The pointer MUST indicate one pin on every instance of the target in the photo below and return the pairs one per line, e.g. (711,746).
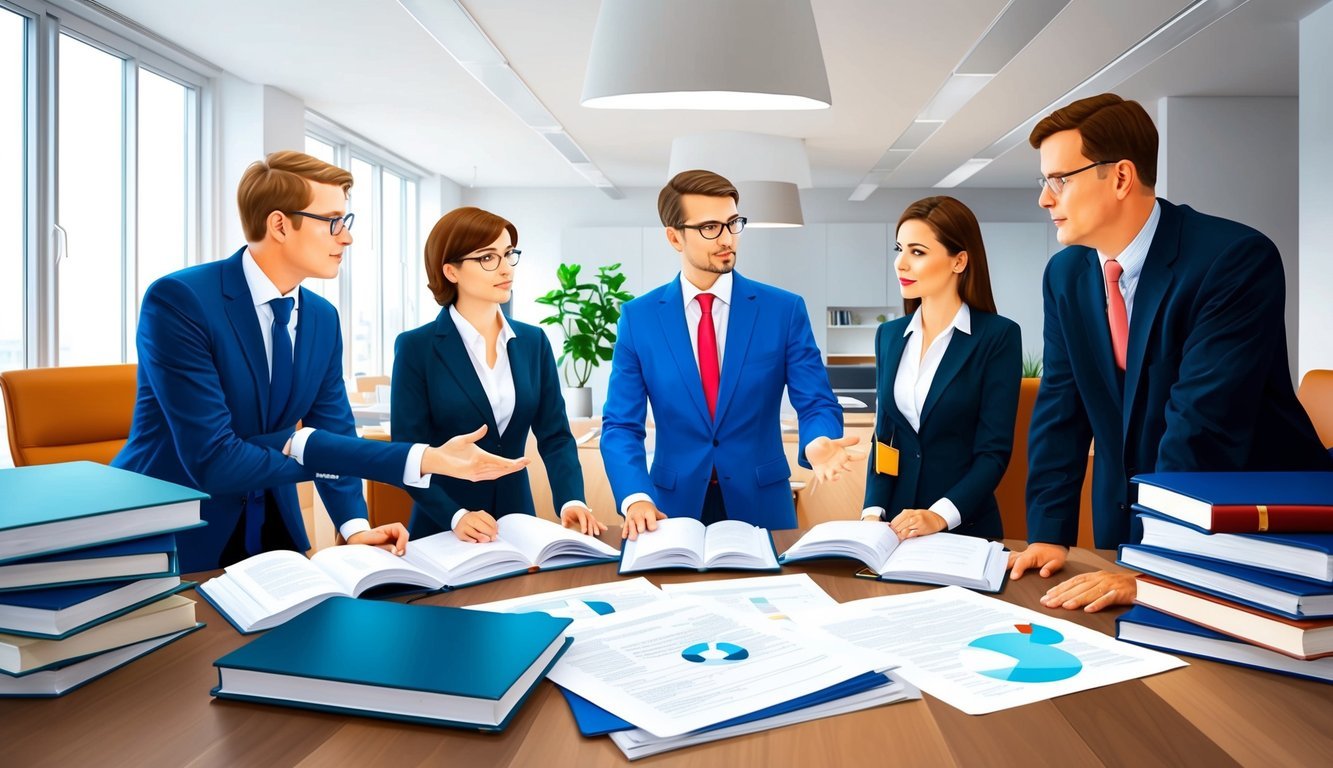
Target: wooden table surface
(157,712)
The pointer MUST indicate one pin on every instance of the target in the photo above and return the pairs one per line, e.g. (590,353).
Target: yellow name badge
(886,459)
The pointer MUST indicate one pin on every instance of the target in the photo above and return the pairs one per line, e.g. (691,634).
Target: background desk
(157,712)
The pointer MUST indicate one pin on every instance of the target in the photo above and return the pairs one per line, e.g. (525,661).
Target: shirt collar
(721,289)
(1136,253)
(262,289)
(472,337)
(962,320)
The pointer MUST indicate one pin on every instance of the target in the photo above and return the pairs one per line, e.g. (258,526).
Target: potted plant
(1032,366)
(588,313)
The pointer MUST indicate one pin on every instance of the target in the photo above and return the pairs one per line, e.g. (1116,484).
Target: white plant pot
(578,402)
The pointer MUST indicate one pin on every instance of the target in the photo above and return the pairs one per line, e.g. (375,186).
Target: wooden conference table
(157,712)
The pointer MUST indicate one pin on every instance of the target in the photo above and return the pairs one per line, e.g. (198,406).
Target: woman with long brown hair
(948,379)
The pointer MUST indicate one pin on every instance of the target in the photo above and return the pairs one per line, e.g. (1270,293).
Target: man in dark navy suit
(233,353)
(1164,341)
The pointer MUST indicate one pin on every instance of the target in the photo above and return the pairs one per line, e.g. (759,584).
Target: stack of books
(1238,567)
(88,573)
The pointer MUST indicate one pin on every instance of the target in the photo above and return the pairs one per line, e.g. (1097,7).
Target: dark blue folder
(60,598)
(1295,588)
(427,651)
(49,570)
(1296,543)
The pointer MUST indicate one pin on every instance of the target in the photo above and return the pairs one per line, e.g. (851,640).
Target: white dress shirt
(1132,258)
(916,372)
(497,382)
(721,289)
(262,291)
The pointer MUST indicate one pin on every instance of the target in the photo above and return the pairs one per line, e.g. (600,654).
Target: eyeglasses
(1057,183)
(336,224)
(491,262)
(713,230)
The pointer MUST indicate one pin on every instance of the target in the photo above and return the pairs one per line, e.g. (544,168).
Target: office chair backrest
(1316,394)
(68,414)
(1010,492)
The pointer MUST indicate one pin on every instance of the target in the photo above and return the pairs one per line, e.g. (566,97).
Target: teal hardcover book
(145,558)
(57,613)
(398,661)
(59,507)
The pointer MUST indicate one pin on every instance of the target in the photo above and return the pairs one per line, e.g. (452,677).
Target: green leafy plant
(1031,366)
(588,313)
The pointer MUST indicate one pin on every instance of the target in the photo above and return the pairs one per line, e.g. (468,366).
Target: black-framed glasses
(1057,183)
(491,261)
(712,230)
(336,224)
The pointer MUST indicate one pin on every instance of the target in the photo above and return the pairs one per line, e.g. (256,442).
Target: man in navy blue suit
(712,351)
(1164,342)
(232,354)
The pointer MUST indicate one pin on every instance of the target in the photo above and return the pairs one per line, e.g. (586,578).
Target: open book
(940,558)
(683,542)
(266,590)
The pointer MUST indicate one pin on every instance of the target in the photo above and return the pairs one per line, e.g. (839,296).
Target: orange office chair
(68,414)
(1316,395)
(1009,494)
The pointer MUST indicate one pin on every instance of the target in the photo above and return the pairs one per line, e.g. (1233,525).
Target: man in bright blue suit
(232,354)
(1164,341)
(712,352)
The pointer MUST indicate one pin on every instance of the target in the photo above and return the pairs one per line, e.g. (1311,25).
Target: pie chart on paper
(1027,655)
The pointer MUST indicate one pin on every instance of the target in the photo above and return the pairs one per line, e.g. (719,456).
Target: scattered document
(981,654)
(683,664)
(581,603)
(771,597)
(941,558)
(850,402)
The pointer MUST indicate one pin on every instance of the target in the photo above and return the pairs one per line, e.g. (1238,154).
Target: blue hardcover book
(68,676)
(1303,555)
(1242,502)
(1144,626)
(683,543)
(1265,590)
(398,661)
(55,614)
(60,507)
(148,557)
(592,720)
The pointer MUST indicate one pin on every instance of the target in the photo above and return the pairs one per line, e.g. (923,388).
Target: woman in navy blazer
(473,367)
(948,380)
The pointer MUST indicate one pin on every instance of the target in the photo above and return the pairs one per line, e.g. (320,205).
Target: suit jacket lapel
(454,357)
(671,316)
(245,323)
(1154,280)
(740,329)
(959,349)
(891,357)
(523,365)
(1096,328)
(310,330)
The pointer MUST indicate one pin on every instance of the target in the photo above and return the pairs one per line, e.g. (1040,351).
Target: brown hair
(281,182)
(704,183)
(957,229)
(458,233)
(1112,129)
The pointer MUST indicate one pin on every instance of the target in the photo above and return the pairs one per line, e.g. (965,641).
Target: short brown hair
(704,183)
(281,182)
(957,229)
(1112,128)
(458,233)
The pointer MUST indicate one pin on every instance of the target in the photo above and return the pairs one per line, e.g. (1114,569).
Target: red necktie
(708,372)
(1115,312)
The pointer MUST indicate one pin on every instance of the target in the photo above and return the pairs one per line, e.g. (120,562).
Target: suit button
(1122,507)
(714,443)
(918,454)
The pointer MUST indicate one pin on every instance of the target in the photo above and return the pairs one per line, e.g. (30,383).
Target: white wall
(1237,158)
(1315,184)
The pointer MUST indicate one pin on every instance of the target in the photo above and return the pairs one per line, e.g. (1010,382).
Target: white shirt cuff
(298,444)
(412,477)
(573,503)
(633,498)
(353,527)
(946,509)
(458,516)
(875,512)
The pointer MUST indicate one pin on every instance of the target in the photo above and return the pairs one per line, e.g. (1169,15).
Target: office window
(164,179)
(13,201)
(362,265)
(321,149)
(395,265)
(90,204)
(330,289)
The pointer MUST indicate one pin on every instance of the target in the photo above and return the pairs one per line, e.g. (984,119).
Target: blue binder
(413,649)
(46,571)
(1295,588)
(61,598)
(1320,545)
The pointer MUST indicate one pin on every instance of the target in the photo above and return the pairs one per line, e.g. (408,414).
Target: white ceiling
(367,65)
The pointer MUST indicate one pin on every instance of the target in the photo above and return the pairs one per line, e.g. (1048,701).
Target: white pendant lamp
(706,54)
(768,171)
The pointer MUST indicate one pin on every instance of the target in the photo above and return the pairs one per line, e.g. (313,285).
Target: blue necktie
(279,392)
